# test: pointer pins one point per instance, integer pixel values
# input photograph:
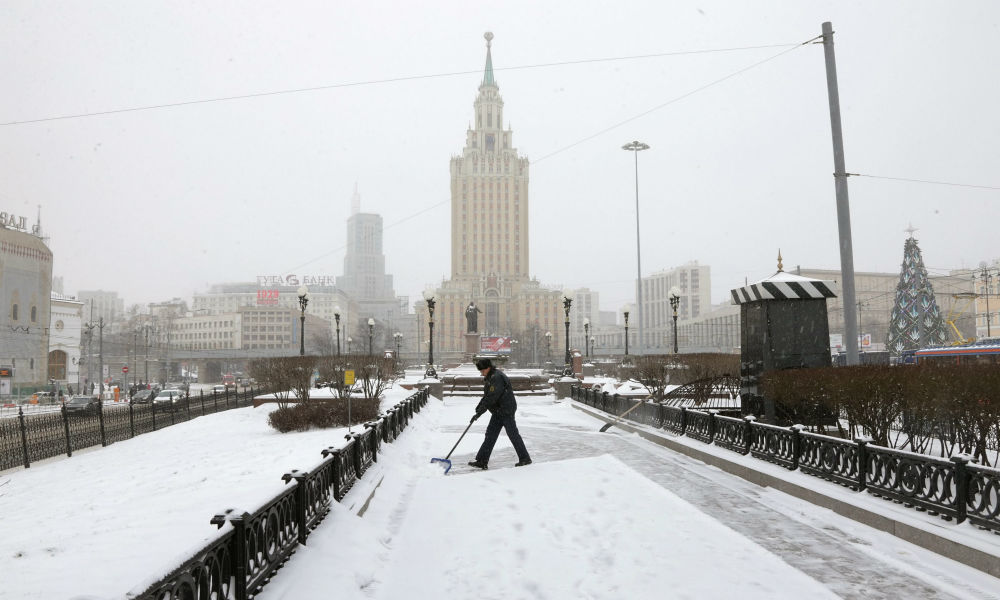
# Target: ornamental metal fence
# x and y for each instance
(243, 557)
(29, 438)
(954, 488)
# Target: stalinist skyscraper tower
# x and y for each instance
(489, 235)
(489, 193)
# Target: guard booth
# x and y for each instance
(783, 325)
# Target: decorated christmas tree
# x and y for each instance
(916, 320)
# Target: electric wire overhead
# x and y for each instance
(386, 80)
(967, 185)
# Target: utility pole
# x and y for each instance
(100, 353)
(987, 278)
(843, 206)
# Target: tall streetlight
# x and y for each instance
(548, 346)
(635, 147)
(592, 346)
(586, 336)
(399, 338)
(371, 333)
(349, 340)
(675, 299)
(429, 298)
(567, 303)
(303, 293)
(336, 317)
(626, 311)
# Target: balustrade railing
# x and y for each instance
(954, 488)
(28, 438)
(245, 556)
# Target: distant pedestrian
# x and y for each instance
(498, 398)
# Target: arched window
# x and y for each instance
(34, 314)
(13, 312)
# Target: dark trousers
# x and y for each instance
(498, 422)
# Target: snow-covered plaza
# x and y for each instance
(598, 515)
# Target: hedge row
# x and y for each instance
(930, 409)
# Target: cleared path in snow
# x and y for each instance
(649, 522)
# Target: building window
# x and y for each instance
(13, 312)
(34, 314)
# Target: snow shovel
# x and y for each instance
(445, 459)
(618, 419)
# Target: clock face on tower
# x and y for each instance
(490, 142)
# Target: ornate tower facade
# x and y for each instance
(489, 238)
(489, 193)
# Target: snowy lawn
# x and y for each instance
(110, 518)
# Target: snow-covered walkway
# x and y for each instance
(598, 515)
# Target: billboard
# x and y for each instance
(494, 345)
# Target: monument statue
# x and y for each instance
(472, 318)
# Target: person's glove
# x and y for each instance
(479, 413)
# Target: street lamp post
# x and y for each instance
(586, 336)
(371, 333)
(548, 346)
(146, 329)
(429, 297)
(675, 299)
(567, 303)
(399, 338)
(635, 147)
(593, 348)
(349, 340)
(303, 302)
(336, 317)
(626, 332)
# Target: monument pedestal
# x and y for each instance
(471, 345)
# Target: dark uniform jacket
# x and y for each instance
(499, 396)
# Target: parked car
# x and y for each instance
(82, 406)
(167, 399)
(218, 389)
(143, 397)
(43, 398)
(178, 385)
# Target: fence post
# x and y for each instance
(796, 444)
(24, 437)
(659, 416)
(748, 433)
(712, 425)
(187, 402)
(961, 485)
(862, 443)
(100, 417)
(240, 555)
(300, 500)
(131, 419)
(69, 446)
(684, 419)
(152, 406)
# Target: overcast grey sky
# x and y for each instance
(161, 203)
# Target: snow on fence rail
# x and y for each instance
(245, 556)
(28, 438)
(954, 488)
